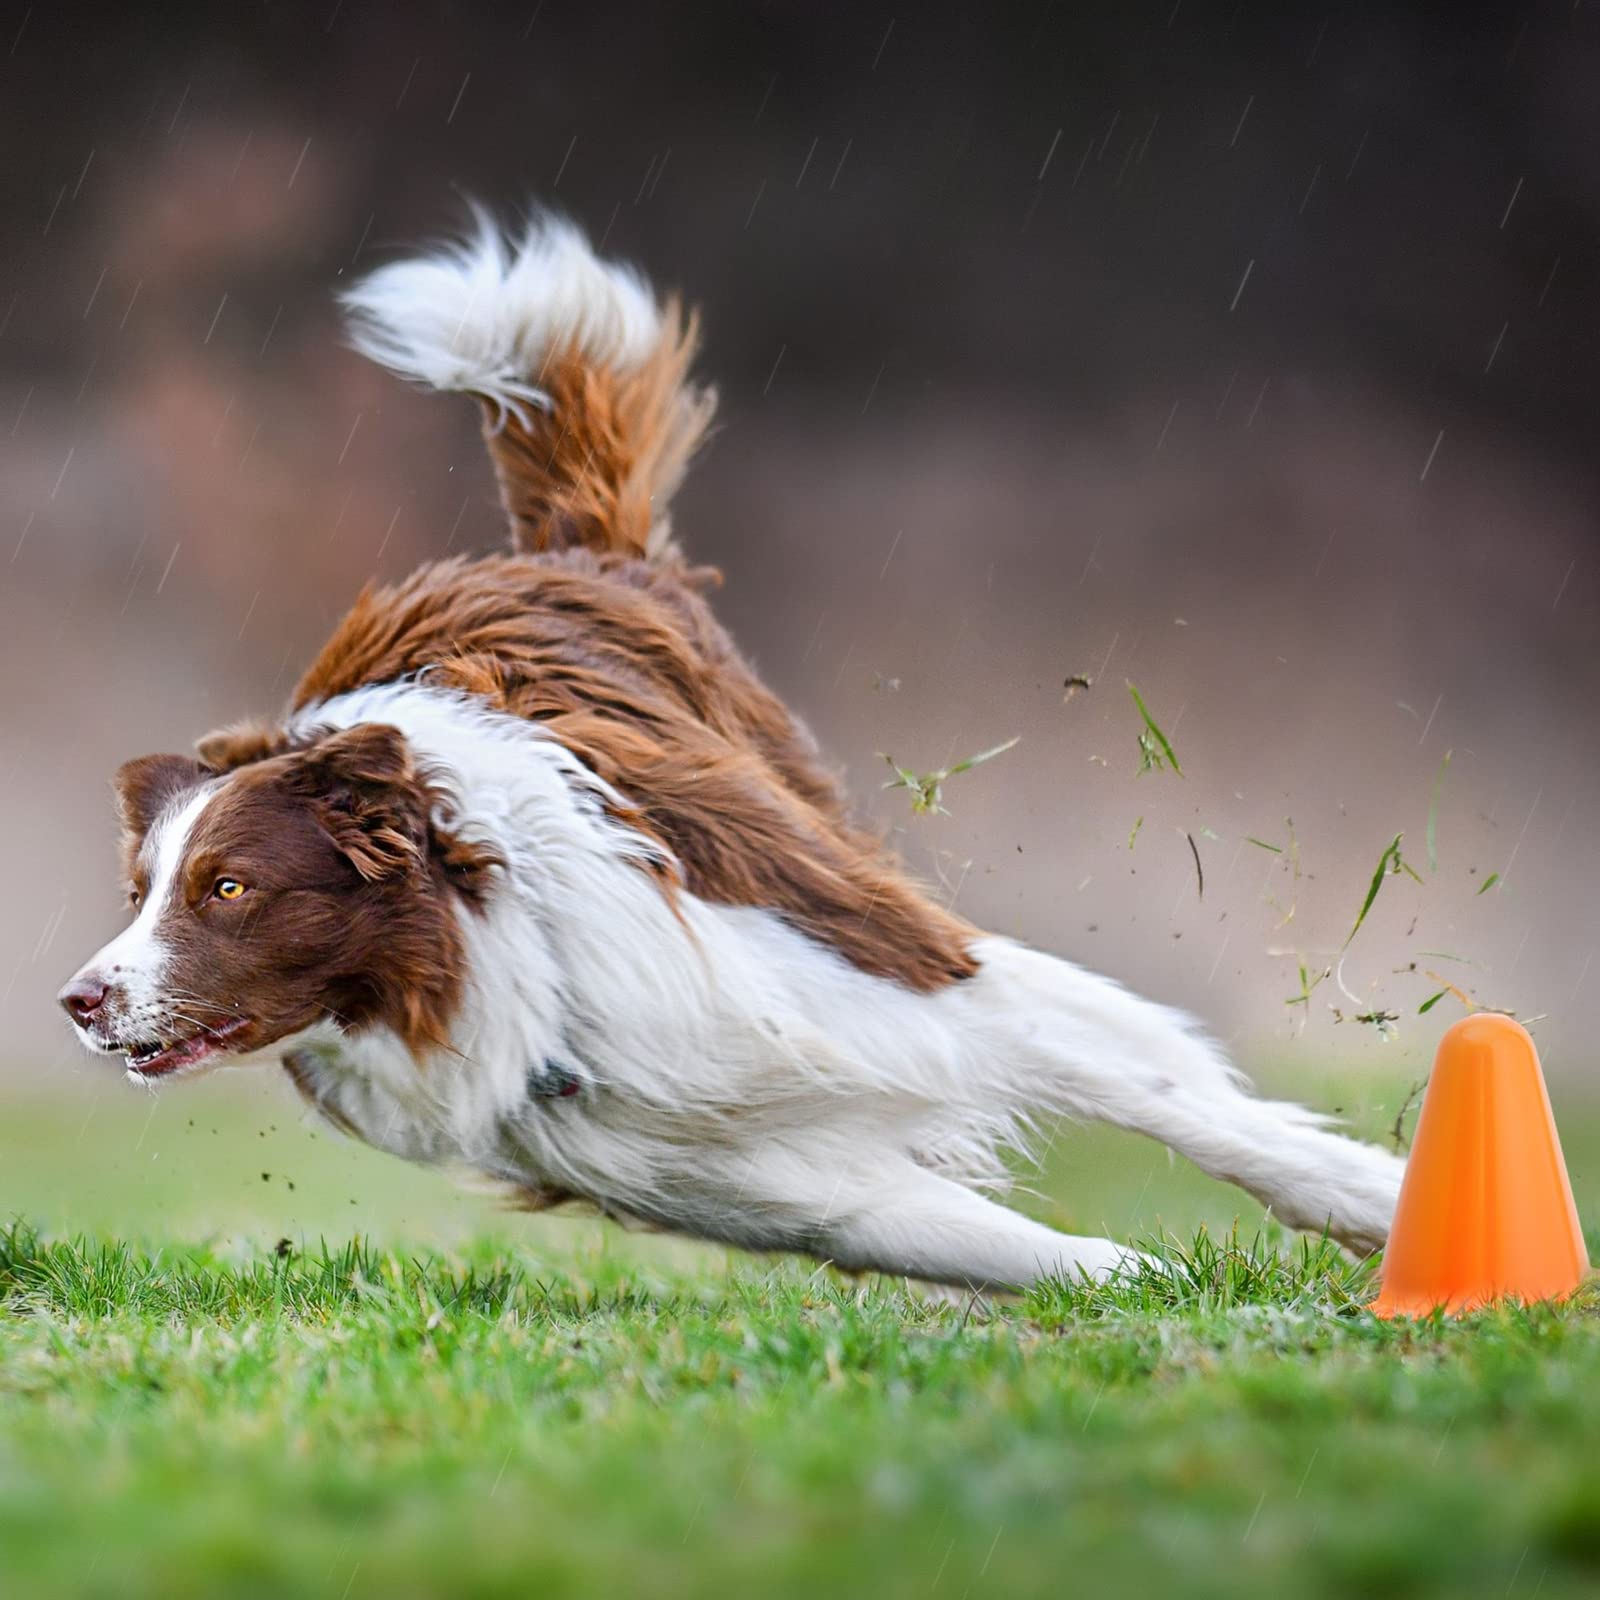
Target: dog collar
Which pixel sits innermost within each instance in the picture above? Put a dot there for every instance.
(549, 1080)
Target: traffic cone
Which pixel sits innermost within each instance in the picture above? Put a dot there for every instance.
(1485, 1208)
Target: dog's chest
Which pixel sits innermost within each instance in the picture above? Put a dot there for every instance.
(435, 1113)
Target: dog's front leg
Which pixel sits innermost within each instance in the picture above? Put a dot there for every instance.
(913, 1223)
(881, 1212)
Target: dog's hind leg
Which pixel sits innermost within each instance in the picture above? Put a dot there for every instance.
(1306, 1175)
(1077, 1043)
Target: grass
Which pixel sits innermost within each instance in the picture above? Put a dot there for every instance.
(541, 1408)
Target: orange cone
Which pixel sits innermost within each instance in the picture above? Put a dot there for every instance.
(1485, 1208)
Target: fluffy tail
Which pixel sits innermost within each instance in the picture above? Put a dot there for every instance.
(590, 416)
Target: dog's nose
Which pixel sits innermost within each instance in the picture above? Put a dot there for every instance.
(83, 997)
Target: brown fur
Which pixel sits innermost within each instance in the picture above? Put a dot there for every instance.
(241, 743)
(144, 788)
(597, 469)
(625, 664)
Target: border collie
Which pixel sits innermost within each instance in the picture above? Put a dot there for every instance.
(534, 876)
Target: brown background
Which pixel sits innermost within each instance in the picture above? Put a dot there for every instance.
(996, 410)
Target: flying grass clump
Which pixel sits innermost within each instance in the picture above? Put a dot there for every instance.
(1308, 985)
(927, 787)
(1377, 1017)
(1390, 864)
(1155, 748)
(1469, 1003)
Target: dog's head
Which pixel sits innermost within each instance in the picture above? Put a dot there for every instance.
(303, 886)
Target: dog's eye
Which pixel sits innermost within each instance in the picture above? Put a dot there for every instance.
(134, 897)
(227, 889)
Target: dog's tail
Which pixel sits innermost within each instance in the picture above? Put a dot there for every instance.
(590, 416)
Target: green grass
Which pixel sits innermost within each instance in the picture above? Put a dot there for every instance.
(531, 1407)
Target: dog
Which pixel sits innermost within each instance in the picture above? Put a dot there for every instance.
(536, 878)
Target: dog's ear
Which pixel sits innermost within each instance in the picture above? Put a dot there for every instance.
(367, 796)
(240, 744)
(146, 787)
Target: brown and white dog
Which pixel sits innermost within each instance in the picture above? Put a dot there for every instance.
(534, 875)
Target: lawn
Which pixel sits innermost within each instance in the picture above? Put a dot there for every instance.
(197, 1396)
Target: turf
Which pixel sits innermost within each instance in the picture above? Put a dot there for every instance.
(493, 1414)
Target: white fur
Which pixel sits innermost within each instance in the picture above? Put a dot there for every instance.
(483, 314)
(137, 958)
(742, 1082)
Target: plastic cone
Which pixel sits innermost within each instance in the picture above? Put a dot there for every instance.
(1485, 1208)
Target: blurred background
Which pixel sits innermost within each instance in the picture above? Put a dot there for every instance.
(1244, 353)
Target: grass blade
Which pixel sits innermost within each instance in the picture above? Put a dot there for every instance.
(982, 756)
(1388, 862)
(1433, 813)
(1155, 731)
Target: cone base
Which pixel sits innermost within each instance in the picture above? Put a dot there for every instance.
(1460, 1305)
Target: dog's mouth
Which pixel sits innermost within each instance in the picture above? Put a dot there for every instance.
(159, 1058)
